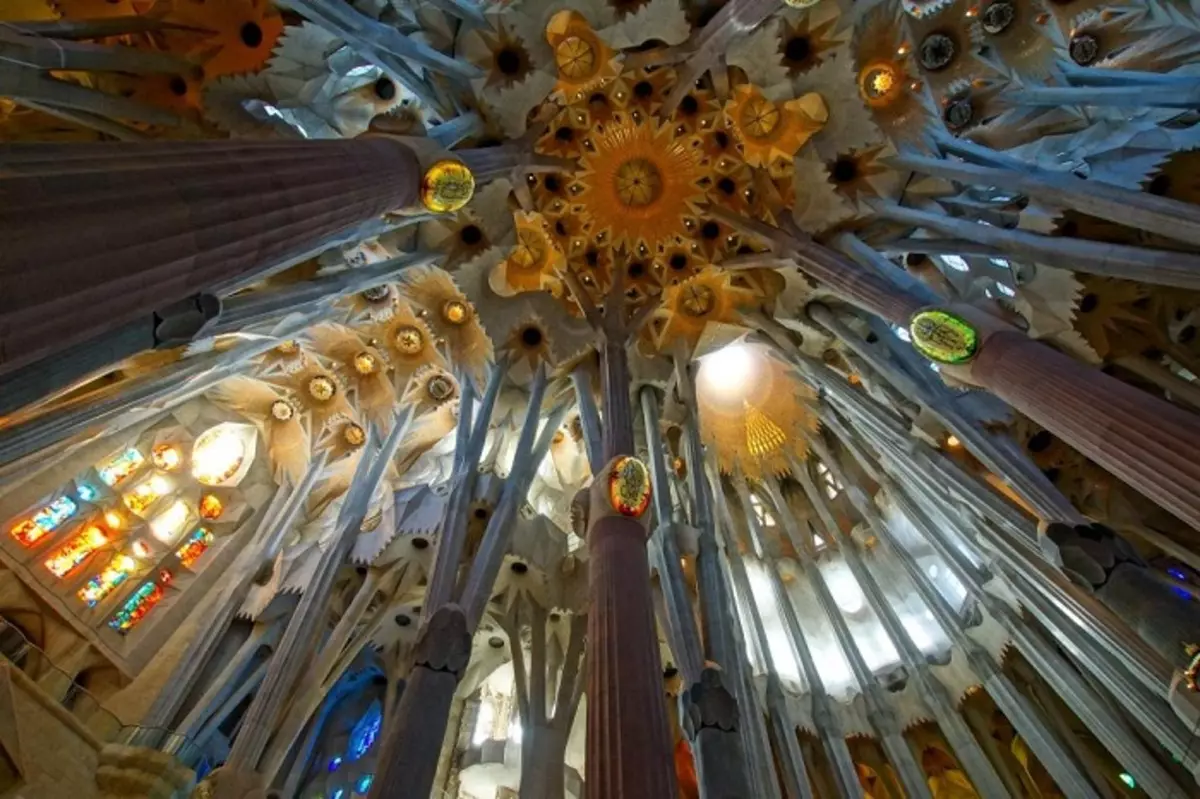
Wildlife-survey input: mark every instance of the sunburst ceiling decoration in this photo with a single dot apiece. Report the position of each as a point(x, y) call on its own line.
point(639, 183)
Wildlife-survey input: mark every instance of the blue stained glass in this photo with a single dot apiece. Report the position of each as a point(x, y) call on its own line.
point(364, 783)
point(366, 731)
point(337, 794)
point(87, 493)
point(55, 513)
point(335, 763)
point(1182, 593)
point(1178, 574)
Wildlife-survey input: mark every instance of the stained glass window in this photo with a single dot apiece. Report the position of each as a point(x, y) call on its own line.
point(167, 525)
point(86, 492)
point(117, 468)
point(219, 453)
point(196, 545)
point(146, 493)
point(76, 551)
point(335, 763)
point(44, 521)
point(365, 731)
point(137, 606)
point(102, 584)
point(165, 457)
point(364, 783)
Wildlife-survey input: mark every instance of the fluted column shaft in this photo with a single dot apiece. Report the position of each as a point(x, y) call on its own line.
point(104, 233)
point(1144, 441)
point(628, 745)
point(629, 752)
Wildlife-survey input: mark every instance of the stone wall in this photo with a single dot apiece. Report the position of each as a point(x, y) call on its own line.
point(45, 752)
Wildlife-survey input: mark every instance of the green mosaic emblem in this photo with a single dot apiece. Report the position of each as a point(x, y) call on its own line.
point(943, 337)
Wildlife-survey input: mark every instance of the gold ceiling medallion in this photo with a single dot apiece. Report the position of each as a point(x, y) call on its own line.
point(321, 388)
point(629, 487)
point(366, 364)
point(282, 410)
point(638, 183)
point(409, 340)
point(879, 84)
point(447, 186)
point(354, 435)
point(771, 131)
point(583, 60)
point(455, 312)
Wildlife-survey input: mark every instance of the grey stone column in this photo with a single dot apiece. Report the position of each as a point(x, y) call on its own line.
point(795, 773)
point(1049, 750)
point(933, 693)
point(685, 636)
point(829, 729)
point(309, 618)
point(1142, 210)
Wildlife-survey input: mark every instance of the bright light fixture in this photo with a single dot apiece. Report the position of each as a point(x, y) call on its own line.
point(728, 374)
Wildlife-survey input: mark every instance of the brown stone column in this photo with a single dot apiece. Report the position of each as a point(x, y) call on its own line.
point(97, 235)
point(629, 752)
point(629, 749)
point(1146, 442)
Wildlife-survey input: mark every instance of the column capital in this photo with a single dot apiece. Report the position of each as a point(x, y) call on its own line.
point(709, 704)
point(445, 642)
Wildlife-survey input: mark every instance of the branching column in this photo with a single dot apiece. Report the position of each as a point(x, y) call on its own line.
point(104, 234)
point(629, 752)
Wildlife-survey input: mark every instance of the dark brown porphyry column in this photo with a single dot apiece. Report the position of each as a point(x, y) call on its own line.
point(97, 235)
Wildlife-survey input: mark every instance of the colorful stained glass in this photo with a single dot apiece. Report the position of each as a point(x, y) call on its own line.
point(943, 337)
point(629, 486)
point(335, 763)
point(196, 545)
point(44, 521)
point(167, 525)
point(76, 551)
point(101, 585)
point(86, 492)
point(136, 607)
point(146, 493)
point(165, 457)
point(120, 466)
point(365, 732)
point(211, 507)
point(364, 784)
point(218, 454)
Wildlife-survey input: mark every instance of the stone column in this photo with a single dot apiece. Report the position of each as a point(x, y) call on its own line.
point(408, 771)
point(686, 636)
point(1137, 209)
point(1139, 438)
point(628, 743)
point(828, 727)
point(629, 752)
point(1161, 267)
point(151, 223)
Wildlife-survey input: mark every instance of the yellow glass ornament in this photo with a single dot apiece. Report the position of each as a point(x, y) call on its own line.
point(455, 312)
point(629, 487)
point(447, 186)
